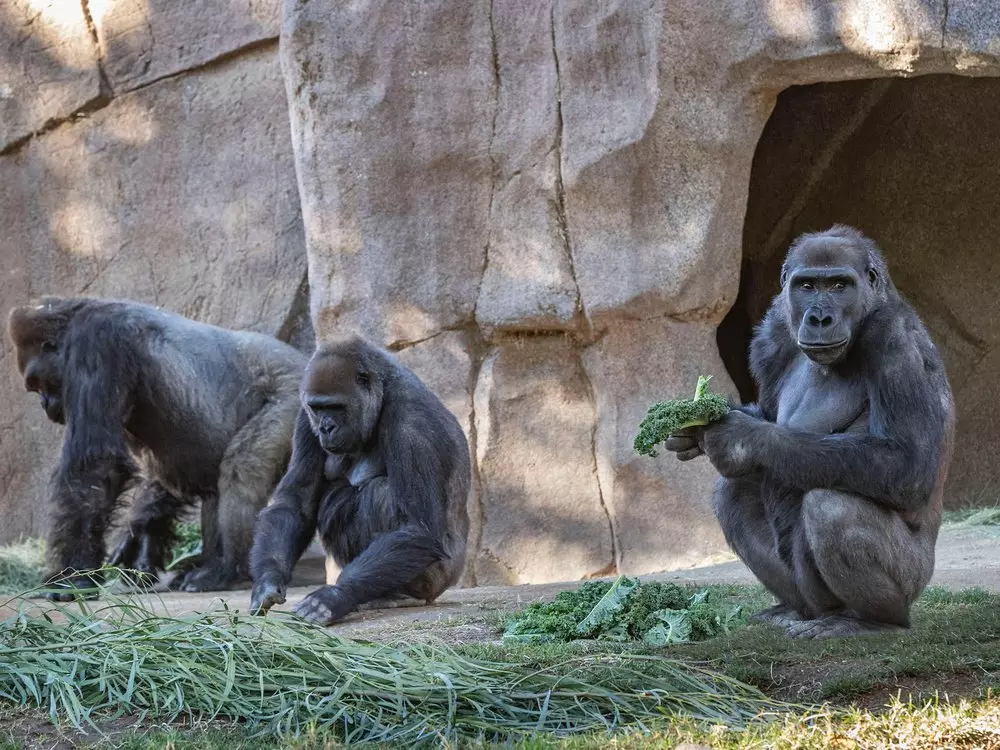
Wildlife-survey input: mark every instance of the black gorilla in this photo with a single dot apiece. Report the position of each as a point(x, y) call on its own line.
point(831, 488)
point(196, 411)
point(382, 470)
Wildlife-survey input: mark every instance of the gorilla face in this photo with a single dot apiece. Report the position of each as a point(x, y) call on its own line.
point(40, 362)
point(338, 399)
point(827, 291)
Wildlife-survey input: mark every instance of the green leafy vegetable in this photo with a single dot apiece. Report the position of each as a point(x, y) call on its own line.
point(665, 418)
point(626, 610)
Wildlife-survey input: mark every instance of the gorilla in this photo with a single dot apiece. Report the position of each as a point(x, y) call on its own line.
point(831, 485)
point(191, 410)
point(381, 469)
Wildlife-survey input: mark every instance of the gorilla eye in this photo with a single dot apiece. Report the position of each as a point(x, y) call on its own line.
point(807, 285)
point(364, 380)
point(839, 286)
point(48, 346)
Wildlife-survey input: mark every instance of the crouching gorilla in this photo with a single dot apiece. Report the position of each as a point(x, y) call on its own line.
point(831, 488)
point(381, 469)
point(196, 411)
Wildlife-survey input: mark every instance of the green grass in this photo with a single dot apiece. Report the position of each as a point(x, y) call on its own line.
point(989, 516)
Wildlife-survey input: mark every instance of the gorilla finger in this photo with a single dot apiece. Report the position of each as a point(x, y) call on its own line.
point(676, 444)
point(690, 454)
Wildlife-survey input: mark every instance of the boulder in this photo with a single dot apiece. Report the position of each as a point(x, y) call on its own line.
point(543, 513)
point(391, 108)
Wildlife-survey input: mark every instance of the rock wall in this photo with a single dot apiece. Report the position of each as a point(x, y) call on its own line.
point(539, 204)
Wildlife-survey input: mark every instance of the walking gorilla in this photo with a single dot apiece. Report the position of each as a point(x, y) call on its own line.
point(382, 470)
point(195, 410)
point(832, 483)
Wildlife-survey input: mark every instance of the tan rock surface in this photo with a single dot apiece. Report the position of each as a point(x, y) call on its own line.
point(544, 518)
point(144, 40)
point(48, 65)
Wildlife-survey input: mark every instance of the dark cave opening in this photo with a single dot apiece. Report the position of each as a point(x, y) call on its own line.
point(915, 164)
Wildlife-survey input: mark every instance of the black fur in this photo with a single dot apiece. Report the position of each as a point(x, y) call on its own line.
point(387, 494)
point(192, 410)
point(832, 483)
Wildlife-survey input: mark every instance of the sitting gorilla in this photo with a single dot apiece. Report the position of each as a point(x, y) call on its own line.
point(382, 470)
point(195, 410)
point(831, 488)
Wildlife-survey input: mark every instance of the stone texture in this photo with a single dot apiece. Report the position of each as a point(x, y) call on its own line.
point(48, 65)
point(661, 507)
point(544, 518)
point(528, 281)
point(182, 194)
point(145, 40)
point(391, 109)
point(446, 363)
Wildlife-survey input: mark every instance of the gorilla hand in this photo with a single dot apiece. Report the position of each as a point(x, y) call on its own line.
point(730, 443)
point(686, 443)
point(266, 593)
point(324, 606)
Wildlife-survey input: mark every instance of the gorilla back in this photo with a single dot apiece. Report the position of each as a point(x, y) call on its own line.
point(832, 484)
point(194, 410)
point(381, 469)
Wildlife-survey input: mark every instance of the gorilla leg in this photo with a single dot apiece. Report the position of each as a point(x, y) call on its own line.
point(383, 556)
point(251, 467)
point(150, 531)
point(740, 508)
point(866, 559)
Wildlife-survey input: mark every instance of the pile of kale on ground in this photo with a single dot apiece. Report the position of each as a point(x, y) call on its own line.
point(627, 610)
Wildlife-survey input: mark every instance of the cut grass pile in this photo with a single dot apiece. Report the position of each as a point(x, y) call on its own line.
point(627, 610)
point(282, 675)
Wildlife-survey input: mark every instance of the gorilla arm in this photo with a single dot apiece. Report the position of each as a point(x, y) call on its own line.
point(287, 525)
point(895, 463)
point(397, 520)
point(95, 465)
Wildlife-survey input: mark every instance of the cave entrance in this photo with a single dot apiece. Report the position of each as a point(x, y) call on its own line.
point(915, 164)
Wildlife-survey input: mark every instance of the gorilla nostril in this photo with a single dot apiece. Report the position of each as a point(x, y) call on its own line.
point(827, 320)
point(813, 320)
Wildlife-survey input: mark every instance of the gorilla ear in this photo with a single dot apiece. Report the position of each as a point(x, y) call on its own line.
point(364, 379)
point(784, 275)
point(873, 278)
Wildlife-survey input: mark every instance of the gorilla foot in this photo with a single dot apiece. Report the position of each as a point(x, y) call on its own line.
point(839, 626)
point(324, 606)
point(780, 615)
point(207, 578)
point(71, 588)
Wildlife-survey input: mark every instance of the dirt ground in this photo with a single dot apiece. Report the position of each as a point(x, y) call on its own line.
point(966, 557)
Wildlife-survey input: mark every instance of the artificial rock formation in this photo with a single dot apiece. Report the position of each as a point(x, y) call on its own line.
point(541, 205)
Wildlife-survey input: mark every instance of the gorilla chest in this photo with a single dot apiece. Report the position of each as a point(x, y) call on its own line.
point(816, 399)
point(356, 469)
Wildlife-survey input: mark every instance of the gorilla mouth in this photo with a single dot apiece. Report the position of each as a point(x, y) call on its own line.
point(821, 347)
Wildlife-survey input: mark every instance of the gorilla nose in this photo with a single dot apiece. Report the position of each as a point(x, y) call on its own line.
point(819, 320)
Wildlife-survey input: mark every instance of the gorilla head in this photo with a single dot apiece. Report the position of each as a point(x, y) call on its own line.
point(37, 331)
point(342, 395)
point(831, 281)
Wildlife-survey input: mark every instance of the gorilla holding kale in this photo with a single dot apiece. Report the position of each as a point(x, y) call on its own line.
point(191, 410)
point(831, 485)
